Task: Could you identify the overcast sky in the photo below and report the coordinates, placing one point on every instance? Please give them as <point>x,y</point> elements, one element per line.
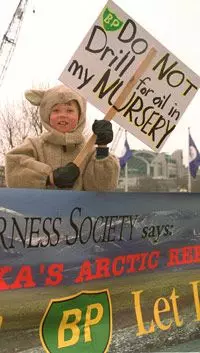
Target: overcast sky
<point>53,29</point>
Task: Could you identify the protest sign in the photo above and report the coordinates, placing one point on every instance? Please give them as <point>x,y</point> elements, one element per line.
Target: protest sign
<point>99,272</point>
<point>108,56</point>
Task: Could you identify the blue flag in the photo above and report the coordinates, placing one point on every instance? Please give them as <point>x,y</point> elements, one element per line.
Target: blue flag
<point>127,154</point>
<point>194,157</point>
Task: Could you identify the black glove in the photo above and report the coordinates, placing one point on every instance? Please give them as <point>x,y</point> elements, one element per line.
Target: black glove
<point>65,177</point>
<point>103,130</point>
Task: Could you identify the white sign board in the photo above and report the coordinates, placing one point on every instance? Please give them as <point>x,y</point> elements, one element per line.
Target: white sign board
<point>105,61</point>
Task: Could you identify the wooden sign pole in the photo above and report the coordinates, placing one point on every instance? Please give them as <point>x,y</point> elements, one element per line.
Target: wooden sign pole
<point>123,95</point>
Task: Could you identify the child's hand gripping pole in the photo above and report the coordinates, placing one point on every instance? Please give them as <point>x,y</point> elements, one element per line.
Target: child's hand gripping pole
<point>123,95</point>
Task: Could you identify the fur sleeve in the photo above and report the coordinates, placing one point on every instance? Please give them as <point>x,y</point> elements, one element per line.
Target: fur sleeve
<point>101,174</point>
<point>22,170</point>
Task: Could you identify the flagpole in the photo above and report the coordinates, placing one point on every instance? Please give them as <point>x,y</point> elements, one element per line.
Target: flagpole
<point>126,177</point>
<point>126,170</point>
<point>116,139</point>
<point>189,174</point>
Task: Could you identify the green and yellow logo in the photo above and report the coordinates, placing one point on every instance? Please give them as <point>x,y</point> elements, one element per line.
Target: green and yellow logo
<point>110,21</point>
<point>81,323</point>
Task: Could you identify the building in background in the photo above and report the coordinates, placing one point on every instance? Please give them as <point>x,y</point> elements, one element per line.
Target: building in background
<point>148,165</point>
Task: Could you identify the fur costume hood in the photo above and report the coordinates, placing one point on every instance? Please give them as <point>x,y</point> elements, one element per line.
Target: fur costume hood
<point>45,100</point>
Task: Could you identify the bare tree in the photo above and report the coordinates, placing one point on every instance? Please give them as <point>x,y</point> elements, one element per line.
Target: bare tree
<point>16,123</point>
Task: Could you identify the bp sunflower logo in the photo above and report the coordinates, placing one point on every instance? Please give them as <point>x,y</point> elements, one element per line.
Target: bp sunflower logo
<point>78,323</point>
<point>110,21</point>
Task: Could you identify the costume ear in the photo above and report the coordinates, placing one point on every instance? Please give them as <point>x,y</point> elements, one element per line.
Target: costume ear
<point>34,96</point>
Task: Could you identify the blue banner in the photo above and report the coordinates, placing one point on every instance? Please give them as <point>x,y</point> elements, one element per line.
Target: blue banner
<point>99,272</point>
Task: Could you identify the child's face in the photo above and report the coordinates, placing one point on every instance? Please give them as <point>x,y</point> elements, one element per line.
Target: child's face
<point>64,117</point>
